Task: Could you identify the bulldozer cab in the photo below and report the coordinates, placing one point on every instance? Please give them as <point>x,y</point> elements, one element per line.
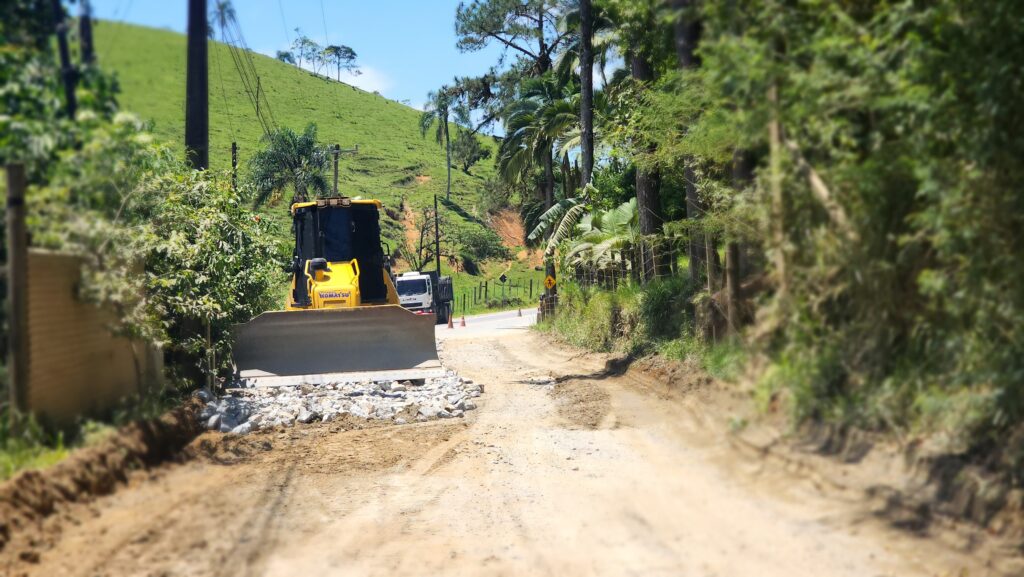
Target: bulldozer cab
<point>335,232</point>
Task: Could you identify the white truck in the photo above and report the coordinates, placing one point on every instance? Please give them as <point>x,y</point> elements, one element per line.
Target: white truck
<point>426,293</point>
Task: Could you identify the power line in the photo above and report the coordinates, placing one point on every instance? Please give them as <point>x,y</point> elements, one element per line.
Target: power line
<point>241,56</point>
<point>323,16</point>
<point>284,23</point>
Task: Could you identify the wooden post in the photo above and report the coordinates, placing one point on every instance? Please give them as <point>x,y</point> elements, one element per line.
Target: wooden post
<point>234,166</point>
<point>209,358</point>
<point>437,236</point>
<point>337,152</point>
<point>531,289</point>
<point>17,289</point>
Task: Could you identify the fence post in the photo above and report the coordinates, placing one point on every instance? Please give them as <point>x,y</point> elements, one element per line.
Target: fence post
<point>17,289</point>
<point>531,289</point>
<point>486,291</point>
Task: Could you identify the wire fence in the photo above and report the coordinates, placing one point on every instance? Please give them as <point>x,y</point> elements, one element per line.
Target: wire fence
<point>642,262</point>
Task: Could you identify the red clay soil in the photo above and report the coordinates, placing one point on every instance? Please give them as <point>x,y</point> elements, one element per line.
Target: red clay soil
<point>509,226</point>
<point>31,496</point>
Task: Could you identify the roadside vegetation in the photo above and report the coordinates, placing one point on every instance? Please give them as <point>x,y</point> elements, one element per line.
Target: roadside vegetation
<point>176,255</point>
<point>843,180</point>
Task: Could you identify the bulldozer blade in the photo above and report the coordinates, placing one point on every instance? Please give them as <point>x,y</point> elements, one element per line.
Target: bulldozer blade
<point>384,342</point>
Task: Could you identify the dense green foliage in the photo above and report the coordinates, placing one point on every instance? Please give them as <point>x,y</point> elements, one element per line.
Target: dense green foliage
<point>862,157</point>
<point>169,250</point>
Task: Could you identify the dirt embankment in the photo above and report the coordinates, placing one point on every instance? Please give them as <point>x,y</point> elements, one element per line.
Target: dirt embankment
<point>28,498</point>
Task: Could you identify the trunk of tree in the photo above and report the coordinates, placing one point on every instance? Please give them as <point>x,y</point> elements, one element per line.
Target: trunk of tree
<point>778,213</point>
<point>687,33</point>
<point>67,70</point>
<point>85,33</point>
<point>587,90</point>
<point>742,176</point>
<point>687,36</point>
<point>648,184</point>
<point>732,286</point>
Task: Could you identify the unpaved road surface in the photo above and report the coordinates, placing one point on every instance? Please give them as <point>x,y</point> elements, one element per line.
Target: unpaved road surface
<point>602,475</point>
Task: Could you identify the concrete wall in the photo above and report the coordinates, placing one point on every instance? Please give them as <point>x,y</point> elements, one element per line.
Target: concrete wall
<point>76,366</point>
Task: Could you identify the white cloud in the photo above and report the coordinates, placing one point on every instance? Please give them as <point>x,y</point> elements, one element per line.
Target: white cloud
<point>370,80</point>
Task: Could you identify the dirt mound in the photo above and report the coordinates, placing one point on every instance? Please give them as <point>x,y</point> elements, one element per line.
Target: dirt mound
<point>583,403</point>
<point>31,496</point>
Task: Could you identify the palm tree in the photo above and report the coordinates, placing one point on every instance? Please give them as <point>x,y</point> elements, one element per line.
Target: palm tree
<point>290,159</point>
<point>590,236</point>
<point>440,107</point>
<point>545,115</point>
<point>223,15</point>
<point>604,235</point>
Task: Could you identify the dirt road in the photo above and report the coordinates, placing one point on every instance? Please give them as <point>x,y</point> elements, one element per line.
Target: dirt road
<point>604,475</point>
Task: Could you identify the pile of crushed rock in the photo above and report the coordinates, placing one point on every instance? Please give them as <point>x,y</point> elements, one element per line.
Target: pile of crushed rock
<point>242,411</point>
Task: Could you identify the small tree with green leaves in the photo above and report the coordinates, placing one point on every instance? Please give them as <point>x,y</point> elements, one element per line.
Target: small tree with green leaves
<point>467,150</point>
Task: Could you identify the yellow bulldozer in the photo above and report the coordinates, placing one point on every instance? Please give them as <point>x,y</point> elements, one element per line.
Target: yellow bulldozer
<point>342,320</point>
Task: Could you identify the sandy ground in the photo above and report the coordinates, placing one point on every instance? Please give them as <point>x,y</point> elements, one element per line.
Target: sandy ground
<point>594,476</point>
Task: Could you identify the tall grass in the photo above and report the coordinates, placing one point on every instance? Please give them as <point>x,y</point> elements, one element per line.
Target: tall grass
<point>640,320</point>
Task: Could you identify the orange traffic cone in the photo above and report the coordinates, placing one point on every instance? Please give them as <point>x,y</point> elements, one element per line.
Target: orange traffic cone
<point>450,325</point>
<point>463,323</point>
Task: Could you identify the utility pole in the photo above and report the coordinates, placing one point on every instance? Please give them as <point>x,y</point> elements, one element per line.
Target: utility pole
<point>66,69</point>
<point>437,236</point>
<point>17,289</point>
<point>197,109</point>
<point>337,153</point>
<point>85,33</point>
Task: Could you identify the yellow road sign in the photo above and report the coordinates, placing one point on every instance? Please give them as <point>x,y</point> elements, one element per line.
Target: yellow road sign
<point>549,282</point>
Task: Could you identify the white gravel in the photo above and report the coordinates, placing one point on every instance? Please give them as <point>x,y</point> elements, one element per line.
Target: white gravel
<point>243,411</point>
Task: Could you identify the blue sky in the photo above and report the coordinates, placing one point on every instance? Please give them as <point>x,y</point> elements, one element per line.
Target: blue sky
<point>406,47</point>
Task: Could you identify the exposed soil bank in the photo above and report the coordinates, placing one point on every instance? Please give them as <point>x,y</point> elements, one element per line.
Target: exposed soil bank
<point>30,496</point>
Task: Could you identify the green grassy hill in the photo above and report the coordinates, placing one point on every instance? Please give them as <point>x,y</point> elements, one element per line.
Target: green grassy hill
<point>394,162</point>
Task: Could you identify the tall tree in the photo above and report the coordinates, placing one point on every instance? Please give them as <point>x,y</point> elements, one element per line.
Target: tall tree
<point>528,29</point>
<point>546,112</point>
<point>687,35</point>
<point>343,58</point>
<point>290,159</point>
<point>438,109</point>
<point>285,56</point>
<point>586,90</point>
<point>640,35</point>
